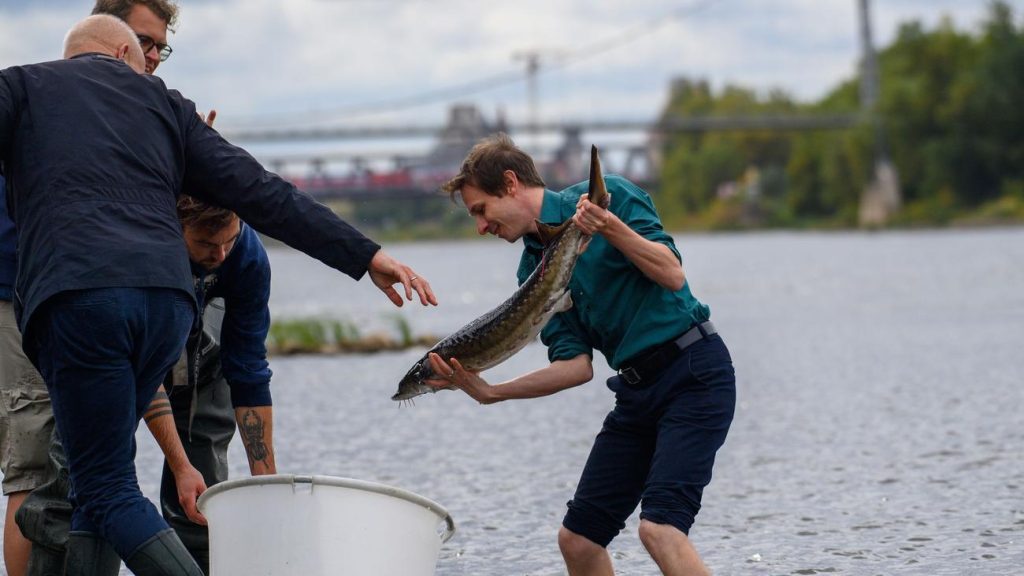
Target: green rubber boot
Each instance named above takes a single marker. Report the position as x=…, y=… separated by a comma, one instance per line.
x=163, y=555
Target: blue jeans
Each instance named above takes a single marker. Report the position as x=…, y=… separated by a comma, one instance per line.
x=103, y=353
x=657, y=446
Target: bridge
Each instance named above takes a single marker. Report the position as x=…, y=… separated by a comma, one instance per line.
x=558, y=147
x=692, y=124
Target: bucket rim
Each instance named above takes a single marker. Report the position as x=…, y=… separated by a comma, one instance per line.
x=322, y=480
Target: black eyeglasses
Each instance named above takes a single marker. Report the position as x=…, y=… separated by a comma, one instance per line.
x=148, y=44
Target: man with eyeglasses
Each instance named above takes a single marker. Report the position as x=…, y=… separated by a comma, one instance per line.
x=130, y=193
x=150, y=20
x=220, y=173
x=26, y=421
x=26, y=427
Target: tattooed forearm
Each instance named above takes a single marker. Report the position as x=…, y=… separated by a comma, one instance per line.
x=256, y=427
x=253, y=437
x=160, y=406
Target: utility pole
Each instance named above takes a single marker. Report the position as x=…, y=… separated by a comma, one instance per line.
x=532, y=59
x=881, y=199
x=868, y=61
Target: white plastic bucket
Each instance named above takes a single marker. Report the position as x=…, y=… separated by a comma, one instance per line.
x=284, y=525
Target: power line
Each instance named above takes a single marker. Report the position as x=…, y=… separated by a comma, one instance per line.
x=488, y=83
x=638, y=32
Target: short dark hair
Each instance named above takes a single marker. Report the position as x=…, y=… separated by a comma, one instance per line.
x=196, y=214
x=166, y=10
x=485, y=166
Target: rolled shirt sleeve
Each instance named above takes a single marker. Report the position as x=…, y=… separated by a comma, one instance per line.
x=563, y=343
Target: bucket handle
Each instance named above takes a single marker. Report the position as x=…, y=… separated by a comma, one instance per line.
x=449, y=528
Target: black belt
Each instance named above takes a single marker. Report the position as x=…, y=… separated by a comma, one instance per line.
x=652, y=362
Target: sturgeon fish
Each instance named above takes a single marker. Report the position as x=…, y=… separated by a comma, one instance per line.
x=499, y=334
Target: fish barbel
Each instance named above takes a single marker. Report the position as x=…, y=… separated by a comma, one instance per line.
x=500, y=333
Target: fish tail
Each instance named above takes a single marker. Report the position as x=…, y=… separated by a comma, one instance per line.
x=598, y=192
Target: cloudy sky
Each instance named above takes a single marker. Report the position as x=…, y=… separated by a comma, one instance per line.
x=324, y=62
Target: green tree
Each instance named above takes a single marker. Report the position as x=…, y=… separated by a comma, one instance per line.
x=952, y=108
x=951, y=114
x=993, y=107
x=698, y=165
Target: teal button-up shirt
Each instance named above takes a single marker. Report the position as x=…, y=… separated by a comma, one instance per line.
x=616, y=309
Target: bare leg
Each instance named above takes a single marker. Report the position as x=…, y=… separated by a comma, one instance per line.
x=16, y=547
x=671, y=550
x=583, y=557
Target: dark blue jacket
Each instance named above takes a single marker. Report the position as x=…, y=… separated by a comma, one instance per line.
x=243, y=281
x=96, y=155
x=8, y=248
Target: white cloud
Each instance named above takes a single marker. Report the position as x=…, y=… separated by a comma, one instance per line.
x=293, y=61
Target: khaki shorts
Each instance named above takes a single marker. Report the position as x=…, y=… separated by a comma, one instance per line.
x=26, y=420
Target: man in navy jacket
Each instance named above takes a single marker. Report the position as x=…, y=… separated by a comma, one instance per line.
x=26, y=420
x=96, y=155
x=223, y=379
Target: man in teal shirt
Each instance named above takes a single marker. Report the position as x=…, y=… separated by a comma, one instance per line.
x=675, y=388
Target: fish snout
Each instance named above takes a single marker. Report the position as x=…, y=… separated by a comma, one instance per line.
x=414, y=382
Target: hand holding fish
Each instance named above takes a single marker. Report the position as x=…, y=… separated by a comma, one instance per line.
x=456, y=376
x=385, y=272
x=591, y=218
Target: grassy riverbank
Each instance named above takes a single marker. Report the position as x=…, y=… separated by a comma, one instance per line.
x=334, y=336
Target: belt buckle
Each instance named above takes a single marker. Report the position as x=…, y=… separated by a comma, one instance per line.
x=631, y=376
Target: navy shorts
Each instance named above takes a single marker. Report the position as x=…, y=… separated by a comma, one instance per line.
x=657, y=446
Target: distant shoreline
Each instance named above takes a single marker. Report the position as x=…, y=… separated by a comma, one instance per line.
x=409, y=235
x=370, y=345
x=289, y=337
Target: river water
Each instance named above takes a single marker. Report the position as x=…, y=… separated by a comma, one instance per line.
x=878, y=429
